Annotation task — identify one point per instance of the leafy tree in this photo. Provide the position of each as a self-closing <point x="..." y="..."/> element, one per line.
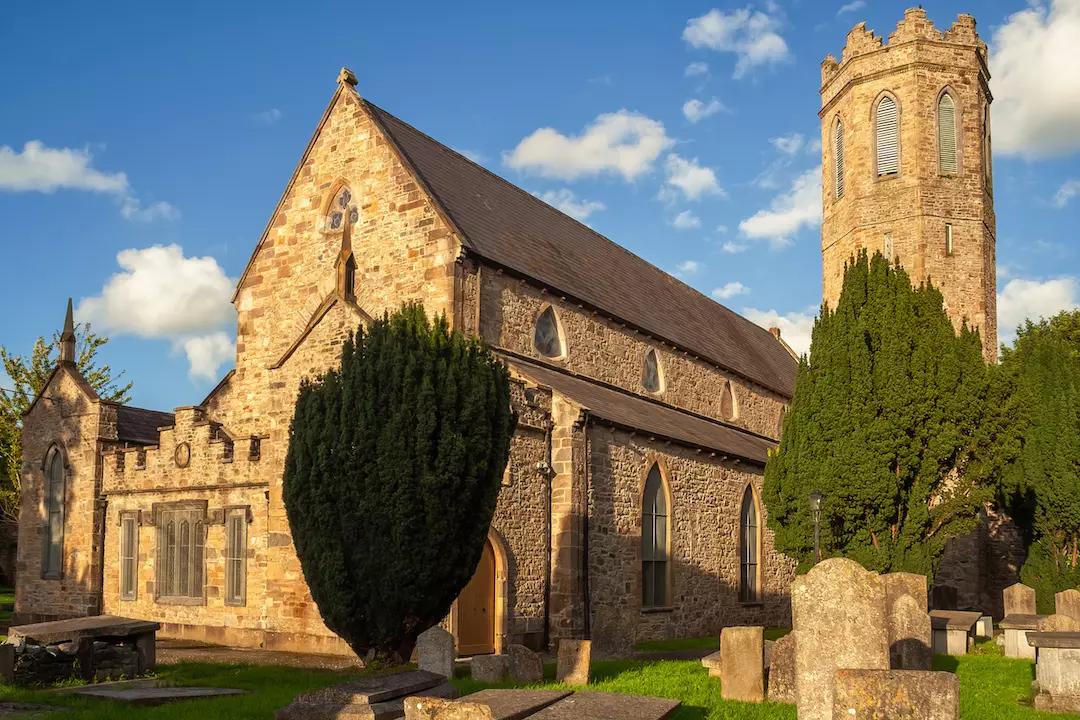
<point x="394" y="466"/>
<point x="897" y="419"/>
<point x="28" y="377"/>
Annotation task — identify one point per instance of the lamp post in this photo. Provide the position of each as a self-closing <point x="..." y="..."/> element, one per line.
<point x="816" y="498"/>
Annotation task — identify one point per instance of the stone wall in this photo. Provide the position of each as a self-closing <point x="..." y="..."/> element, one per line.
<point x="981" y="564"/>
<point x="915" y="67"/>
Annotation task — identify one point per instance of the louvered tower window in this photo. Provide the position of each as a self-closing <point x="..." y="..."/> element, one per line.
<point x="838" y="150"/>
<point x="947" y="164"/>
<point x="888" y="137"/>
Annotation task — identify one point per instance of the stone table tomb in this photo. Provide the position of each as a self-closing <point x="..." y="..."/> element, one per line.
<point x="1057" y="670"/>
<point x="954" y="630"/>
<point x="1017" y="627"/>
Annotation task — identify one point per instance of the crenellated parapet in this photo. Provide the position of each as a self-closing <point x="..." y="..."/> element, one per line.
<point x="914" y="26"/>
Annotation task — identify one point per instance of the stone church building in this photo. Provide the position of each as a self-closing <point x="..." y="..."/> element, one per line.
<point x="630" y="508"/>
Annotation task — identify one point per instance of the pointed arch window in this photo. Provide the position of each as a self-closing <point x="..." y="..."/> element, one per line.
<point x="947" y="127"/>
<point x="654" y="541"/>
<point x="838" y="157"/>
<point x="546" y="337"/>
<point x="749" y="548"/>
<point x="987" y="153"/>
<point x="728" y="408"/>
<point x="55" y="501"/>
<point x="652" y="378"/>
<point x="887" y="130"/>
<point x="340" y="209"/>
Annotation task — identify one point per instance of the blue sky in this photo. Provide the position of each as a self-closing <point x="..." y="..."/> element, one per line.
<point x="684" y="131"/>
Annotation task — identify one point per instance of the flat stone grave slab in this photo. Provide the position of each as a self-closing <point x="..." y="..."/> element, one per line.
<point x="368" y="691"/>
<point x="1016" y="628"/>
<point x="515" y="704"/>
<point x="58" y="631"/>
<point x="155" y="696"/>
<point x="589" y="705"/>
<point x="26" y="710"/>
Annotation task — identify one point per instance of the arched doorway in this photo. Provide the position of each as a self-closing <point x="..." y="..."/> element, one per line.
<point x="476" y="608"/>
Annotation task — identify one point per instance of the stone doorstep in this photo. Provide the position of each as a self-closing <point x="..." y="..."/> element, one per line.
<point x="368" y="691"/>
<point x="516" y="704"/>
<point x="58" y="631"/>
<point x="155" y="696"/>
<point x="383" y="710"/>
<point x="589" y="705"/>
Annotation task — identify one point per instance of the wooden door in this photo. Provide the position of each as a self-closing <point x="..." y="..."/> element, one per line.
<point x="476" y="608"/>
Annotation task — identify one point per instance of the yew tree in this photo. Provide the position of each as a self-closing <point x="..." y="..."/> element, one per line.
<point x="394" y="466"/>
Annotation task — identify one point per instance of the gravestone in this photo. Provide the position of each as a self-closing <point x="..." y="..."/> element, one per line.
<point x="1058" y="623"/>
<point x="525" y="665"/>
<point x="1019" y="599"/>
<point x="489" y="668"/>
<point x="781" y="681"/>
<point x="1016" y="629"/>
<point x="572" y="666"/>
<point x="1057" y="671"/>
<point x="902" y="583"/>
<point x="435" y="652"/>
<point x="603" y="705"/>
<point x="944" y="597"/>
<point x="424" y="708"/>
<point x="742" y="664"/>
<point x="711" y="662"/>
<point x="1067" y="602"/>
<point x="954" y="631"/>
<point x="369" y="697"/>
<point x="907" y="694"/>
<point x="910" y="634"/>
<point x="838" y="613"/>
<point x="484" y="705"/>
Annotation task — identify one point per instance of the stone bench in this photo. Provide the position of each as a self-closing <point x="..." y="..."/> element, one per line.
<point x="101" y="647"/>
<point x="1057" y="670"/>
<point x="1016" y="627"/>
<point x="953" y="630"/>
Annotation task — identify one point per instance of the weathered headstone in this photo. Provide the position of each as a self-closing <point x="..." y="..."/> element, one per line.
<point x="1057" y="671"/>
<point x="572" y="666"/>
<point x="910" y="634"/>
<point x="1067" y="602"/>
<point x="1014" y="637"/>
<point x="742" y="663"/>
<point x="435" y="652"/>
<point x="525" y="665"/>
<point x="902" y="583"/>
<point x="908" y="694"/>
<point x="1019" y="599"/>
<point x="1058" y="623"/>
<point x="838" y="612"/>
<point x="489" y="668"/>
<point x="782" y="670"/>
<point x="944" y="597"/>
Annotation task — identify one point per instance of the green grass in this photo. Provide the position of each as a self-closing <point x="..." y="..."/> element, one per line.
<point x="7" y="595"/>
<point x="708" y="642"/>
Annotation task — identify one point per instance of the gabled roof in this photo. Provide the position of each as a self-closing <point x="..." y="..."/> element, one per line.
<point x="503" y="224"/>
<point x="633" y="412"/>
<point x="140" y="426"/>
<point x="77" y="377"/>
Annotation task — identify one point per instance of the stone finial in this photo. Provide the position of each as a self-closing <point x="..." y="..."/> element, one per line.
<point x="347" y="76"/>
<point x="67" y="338"/>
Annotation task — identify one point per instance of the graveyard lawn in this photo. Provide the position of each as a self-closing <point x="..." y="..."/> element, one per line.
<point x="708" y="642"/>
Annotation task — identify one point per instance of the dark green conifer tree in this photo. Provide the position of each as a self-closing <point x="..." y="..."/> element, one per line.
<point x="394" y="466"/>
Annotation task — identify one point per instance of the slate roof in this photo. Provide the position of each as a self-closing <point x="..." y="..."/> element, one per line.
<point x="136" y="425"/>
<point x="634" y="412"/>
<point x="504" y="224"/>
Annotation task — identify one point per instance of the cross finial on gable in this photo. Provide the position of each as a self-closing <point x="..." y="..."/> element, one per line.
<point x="347" y="76"/>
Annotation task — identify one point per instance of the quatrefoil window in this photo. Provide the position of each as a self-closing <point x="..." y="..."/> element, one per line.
<point x="340" y="209"/>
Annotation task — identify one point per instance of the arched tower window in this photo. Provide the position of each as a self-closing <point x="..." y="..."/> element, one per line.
<point x="340" y="209"/>
<point x="887" y="132"/>
<point x="947" y="127"/>
<point x="749" y="548"/>
<point x="838" y="157"/>
<point x="546" y="337"/>
<point x="55" y="501"/>
<point x="652" y="378"/>
<point x="654" y="541"/>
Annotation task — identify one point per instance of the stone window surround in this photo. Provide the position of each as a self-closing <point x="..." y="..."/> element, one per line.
<point x="322" y="221"/>
<point x="958" y="110"/>
<point x="562" y="357"/>
<point x="136" y="517"/>
<point x="729" y="390"/>
<point x="660" y="463"/>
<point x="899" y="137"/>
<point x="661" y="384"/>
<point x="749" y="488"/>
<point x="230" y="512"/>
<point x="54" y="449"/>
<point x="196" y="506"/>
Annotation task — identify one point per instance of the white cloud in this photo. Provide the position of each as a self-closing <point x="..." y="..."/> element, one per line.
<point x="686" y="220"/>
<point x="623" y="143"/>
<point x="693" y="180"/>
<point x="796" y="328"/>
<point x="721" y="228"/>
<point x="696" y="110"/>
<point x="697" y="68"/>
<point x="1023" y="299"/>
<point x="788" y="144"/>
<point x="814" y="147"/>
<point x="734" y="247"/>
<point x="39" y="168"/>
<point x="1068" y="190"/>
<point x="688" y="267"/>
<point x="750" y="35"/>
<point x="1036" y="110"/>
<point x="851" y="7"/>
<point x="788" y="212"/>
<point x="268" y="117"/>
<point x="565" y="200"/>
<point x="207" y="353"/>
<point x="730" y="290"/>
<point x="474" y="155"/>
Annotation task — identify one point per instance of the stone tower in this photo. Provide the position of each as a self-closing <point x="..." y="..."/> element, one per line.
<point x="905" y="138"/>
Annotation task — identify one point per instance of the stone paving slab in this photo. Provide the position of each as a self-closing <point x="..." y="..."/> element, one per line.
<point x="368" y="691"/>
<point x="57" y="631"/>
<point x="155" y="696"/>
<point x="588" y="705"/>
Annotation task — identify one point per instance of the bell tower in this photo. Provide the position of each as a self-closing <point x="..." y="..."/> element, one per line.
<point x="906" y="163"/>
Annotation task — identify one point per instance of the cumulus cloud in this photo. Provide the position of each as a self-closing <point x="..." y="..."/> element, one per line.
<point x="796" y="328"/>
<point x="1068" y="190"/>
<point x="789" y="212"/>
<point x="686" y="220"/>
<point x="851" y="7"/>
<point x="690" y="178"/>
<point x="621" y="143"/>
<point x="1036" y="110"/>
<point x="697" y="68"/>
<point x="696" y="110"/>
<point x="565" y="200"/>
<point x="1023" y="299"/>
<point x="268" y="117"/>
<point x="207" y="353"/>
<point x="751" y="36"/>
<point x="39" y="168"/>
<point x="688" y="267"/>
<point x="730" y="290"/>
<point x="788" y="144"/>
<point x="734" y="247"/>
